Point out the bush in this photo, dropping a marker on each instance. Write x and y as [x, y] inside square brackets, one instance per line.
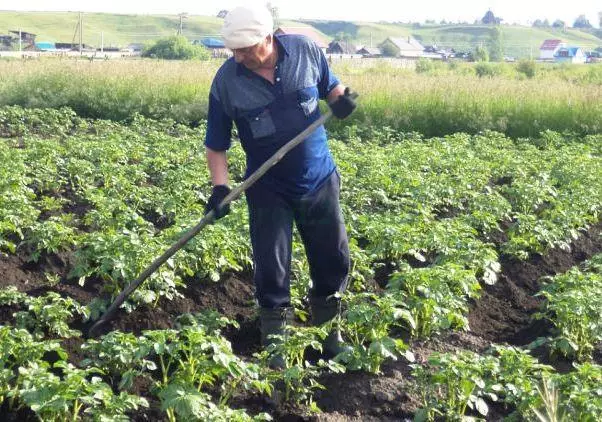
[175, 48]
[424, 65]
[487, 69]
[527, 67]
[389, 50]
[481, 54]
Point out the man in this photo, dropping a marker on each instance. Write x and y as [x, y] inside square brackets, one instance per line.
[270, 89]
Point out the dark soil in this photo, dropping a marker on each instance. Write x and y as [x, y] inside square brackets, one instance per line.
[501, 315]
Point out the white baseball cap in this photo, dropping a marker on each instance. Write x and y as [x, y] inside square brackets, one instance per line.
[246, 26]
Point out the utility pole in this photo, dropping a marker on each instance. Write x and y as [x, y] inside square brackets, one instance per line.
[182, 17]
[81, 35]
[531, 41]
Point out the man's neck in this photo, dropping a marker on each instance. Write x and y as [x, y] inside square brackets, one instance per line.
[270, 63]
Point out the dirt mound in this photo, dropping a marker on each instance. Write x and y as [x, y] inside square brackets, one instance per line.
[503, 313]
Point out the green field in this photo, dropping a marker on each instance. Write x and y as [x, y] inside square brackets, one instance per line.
[471, 194]
[436, 226]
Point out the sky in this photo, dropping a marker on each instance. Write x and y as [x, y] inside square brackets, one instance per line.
[511, 11]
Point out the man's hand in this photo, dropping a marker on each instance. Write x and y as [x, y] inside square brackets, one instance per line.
[344, 105]
[217, 196]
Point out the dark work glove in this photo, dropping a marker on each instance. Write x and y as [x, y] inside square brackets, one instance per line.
[217, 196]
[343, 105]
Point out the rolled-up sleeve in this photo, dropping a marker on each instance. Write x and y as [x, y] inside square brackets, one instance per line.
[328, 81]
[219, 126]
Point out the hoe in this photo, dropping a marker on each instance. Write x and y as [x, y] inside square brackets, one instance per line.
[207, 219]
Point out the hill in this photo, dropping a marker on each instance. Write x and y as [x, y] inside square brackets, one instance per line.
[120, 30]
[117, 30]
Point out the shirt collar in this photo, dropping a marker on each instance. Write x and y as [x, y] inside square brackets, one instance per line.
[282, 51]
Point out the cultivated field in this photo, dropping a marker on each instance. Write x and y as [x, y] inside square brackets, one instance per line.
[473, 209]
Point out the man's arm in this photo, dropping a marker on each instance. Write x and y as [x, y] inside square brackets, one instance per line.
[217, 141]
[217, 162]
[334, 94]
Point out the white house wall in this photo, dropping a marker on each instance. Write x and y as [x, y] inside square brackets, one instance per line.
[547, 54]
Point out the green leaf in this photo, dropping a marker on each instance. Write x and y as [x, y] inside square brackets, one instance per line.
[185, 400]
[482, 407]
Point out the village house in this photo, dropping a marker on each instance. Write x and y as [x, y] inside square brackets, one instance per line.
[27, 38]
[341, 47]
[402, 47]
[7, 42]
[369, 52]
[215, 46]
[574, 55]
[548, 49]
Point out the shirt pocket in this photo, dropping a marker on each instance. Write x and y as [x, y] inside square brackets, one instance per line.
[308, 100]
[260, 123]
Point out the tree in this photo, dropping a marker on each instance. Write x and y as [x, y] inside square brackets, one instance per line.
[559, 24]
[175, 48]
[600, 19]
[481, 54]
[582, 22]
[342, 36]
[490, 19]
[496, 51]
[538, 23]
[389, 50]
[541, 23]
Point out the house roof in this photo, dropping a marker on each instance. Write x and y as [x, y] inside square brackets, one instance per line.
[46, 45]
[571, 50]
[213, 43]
[405, 44]
[370, 50]
[23, 33]
[344, 46]
[308, 31]
[550, 44]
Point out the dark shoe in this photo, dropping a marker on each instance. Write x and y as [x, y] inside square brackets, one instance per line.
[324, 310]
[274, 322]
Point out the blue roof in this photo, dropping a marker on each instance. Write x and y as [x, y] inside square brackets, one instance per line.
[213, 43]
[571, 50]
[46, 45]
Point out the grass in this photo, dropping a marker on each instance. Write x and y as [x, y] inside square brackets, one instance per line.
[447, 99]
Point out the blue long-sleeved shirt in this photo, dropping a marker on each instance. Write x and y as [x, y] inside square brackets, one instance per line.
[269, 115]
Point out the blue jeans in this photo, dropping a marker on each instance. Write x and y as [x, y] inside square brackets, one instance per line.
[319, 220]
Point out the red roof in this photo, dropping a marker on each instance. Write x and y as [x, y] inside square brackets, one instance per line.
[308, 31]
[550, 44]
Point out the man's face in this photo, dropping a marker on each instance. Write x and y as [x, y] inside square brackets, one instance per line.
[255, 56]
